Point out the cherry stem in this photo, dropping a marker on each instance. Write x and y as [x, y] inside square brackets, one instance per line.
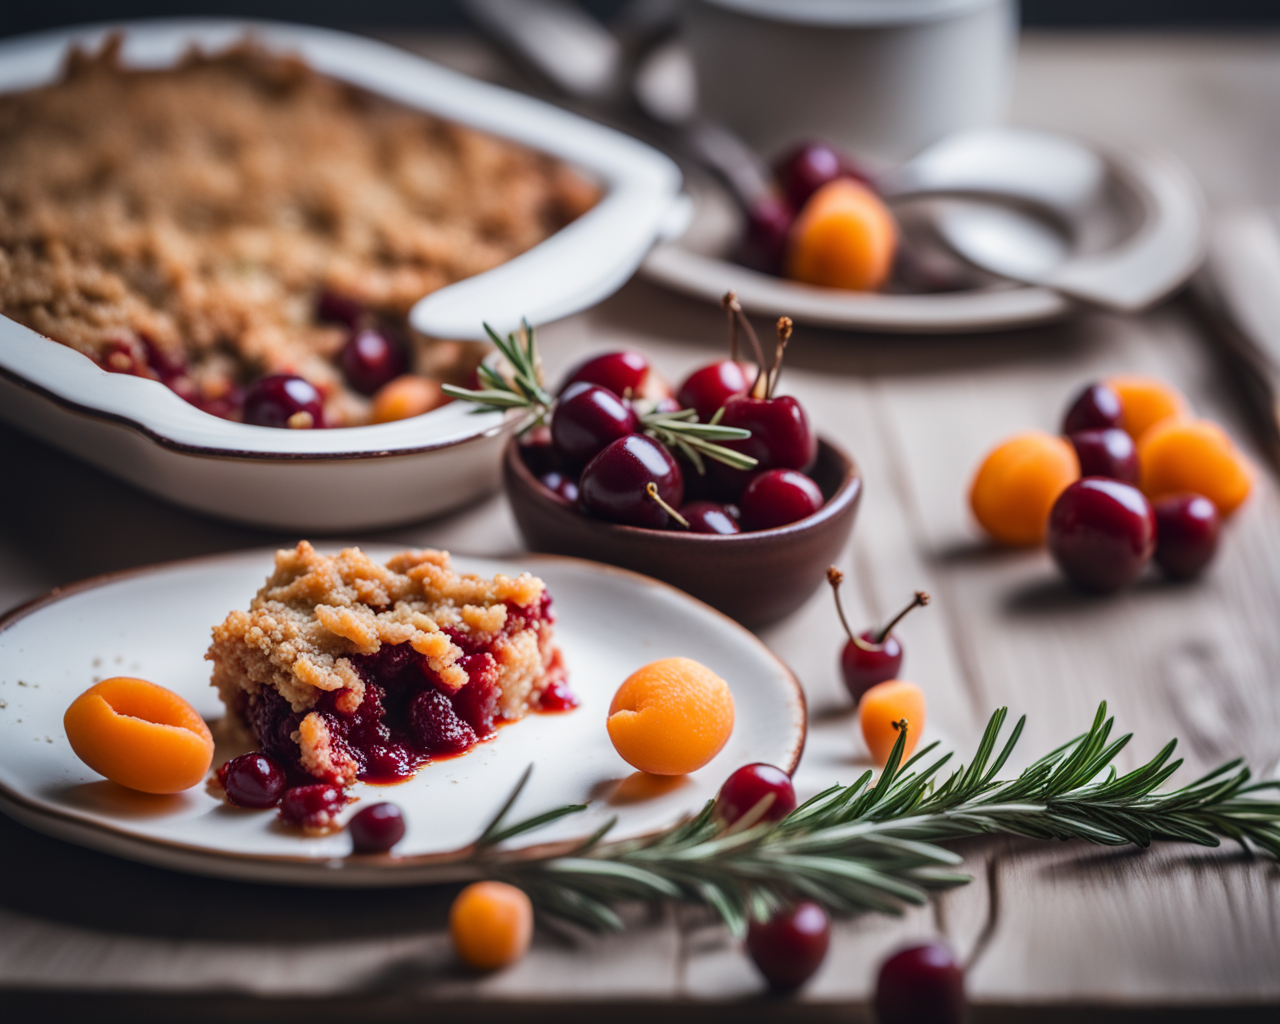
[727, 303]
[730, 302]
[835, 577]
[785, 327]
[918, 601]
[651, 489]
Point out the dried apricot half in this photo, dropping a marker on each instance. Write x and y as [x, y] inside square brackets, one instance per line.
[1197, 457]
[844, 237]
[1017, 484]
[885, 710]
[1145, 401]
[671, 717]
[139, 735]
[490, 924]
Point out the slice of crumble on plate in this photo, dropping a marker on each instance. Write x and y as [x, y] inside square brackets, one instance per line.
[344, 669]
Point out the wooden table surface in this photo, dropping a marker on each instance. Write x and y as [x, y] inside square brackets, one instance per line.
[1171, 933]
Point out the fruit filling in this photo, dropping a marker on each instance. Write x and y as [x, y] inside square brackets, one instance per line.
[343, 669]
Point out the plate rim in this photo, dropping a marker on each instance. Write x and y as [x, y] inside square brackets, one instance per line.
[353, 870]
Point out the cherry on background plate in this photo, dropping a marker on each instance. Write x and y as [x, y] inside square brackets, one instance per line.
[376, 828]
[371, 359]
[1106, 452]
[586, 418]
[709, 387]
[808, 167]
[620, 372]
[780, 434]
[710, 517]
[1097, 407]
[613, 484]
[790, 947]
[283, 400]
[1102, 533]
[764, 243]
[746, 787]
[253, 780]
[777, 497]
[1187, 530]
[920, 985]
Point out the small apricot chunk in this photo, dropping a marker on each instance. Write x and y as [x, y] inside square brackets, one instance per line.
[491, 924]
[885, 710]
[843, 237]
[1197, 457]
[671, 717]
[406, 396]
[1017, 484]
[139, 735]
[1145, 401]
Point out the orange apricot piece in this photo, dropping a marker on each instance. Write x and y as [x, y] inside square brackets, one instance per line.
[882, 711]
[1145, 401]
[139, 735]
[671, 717]
[1193, 456]
[491, 924]
[409, 395]
[844, 237]
[1017, 484]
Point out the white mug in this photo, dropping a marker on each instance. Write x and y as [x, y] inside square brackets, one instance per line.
[881, 79]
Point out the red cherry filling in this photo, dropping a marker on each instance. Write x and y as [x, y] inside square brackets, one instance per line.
[314, 806]
[283, 400]
[587, 418]
[1097, 407]
[557, 697]
[707, 389]
[376, 829]
[1187, 528]
[614, 484]
[371, 359]
[1110, 452]
[923, 983]
[1101, 533]
[710, 517]
[748, 786]
[435, 724]
[252, 780]
[620, 372]
[791, 945]
[777, 497]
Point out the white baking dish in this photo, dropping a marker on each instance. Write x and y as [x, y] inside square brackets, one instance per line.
[360, 477]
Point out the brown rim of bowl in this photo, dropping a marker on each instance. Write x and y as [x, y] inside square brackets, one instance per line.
[324, 867]
[844, 494]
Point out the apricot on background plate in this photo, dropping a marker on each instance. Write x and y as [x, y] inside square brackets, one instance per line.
[1145, 401]
[881, 712]
[1196, 457]
[139, 735]
[1017, 484]
[671, 717]
[843, 237]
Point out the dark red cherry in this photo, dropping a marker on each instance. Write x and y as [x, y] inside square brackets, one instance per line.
[746, 787]
[765, 240]
[708, 388]
[375, 829]
[586, 418]
[339, 309]
[372, 358]
[808, 167]
[1101, 533]
[1187, 528]
[780, 435]
[620, 372]
[777, 497]
[864, 666]
[710, 517]
[1107, 452]
[790, 947]
[436, 726]
[283, 400]
[613, 485]
[921, 985]
[562, 484]
[314, 806]
[1097, 407]
[252, 780]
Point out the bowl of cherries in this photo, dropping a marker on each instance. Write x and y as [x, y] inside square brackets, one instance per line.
[722, 489]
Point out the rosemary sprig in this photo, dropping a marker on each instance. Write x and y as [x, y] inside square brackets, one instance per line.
[522, 388]
[873, 845]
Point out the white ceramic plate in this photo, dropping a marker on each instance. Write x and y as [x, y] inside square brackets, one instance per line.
[155, 623]
[1150, 219]
[363, 477]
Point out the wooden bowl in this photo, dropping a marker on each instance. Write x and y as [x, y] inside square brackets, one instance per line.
[756, 577]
